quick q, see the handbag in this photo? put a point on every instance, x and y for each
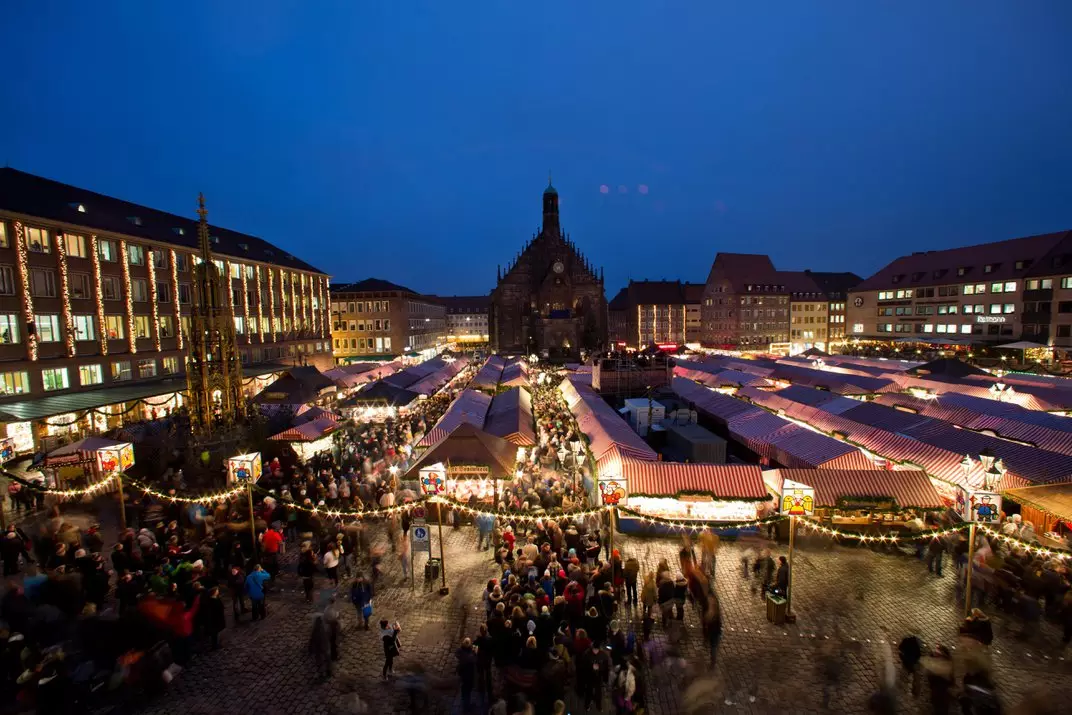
(367, 610)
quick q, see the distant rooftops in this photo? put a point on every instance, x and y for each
(463, 303)
(38, 197)
(1046, 254)
(370, 285)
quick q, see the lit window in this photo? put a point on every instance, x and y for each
(141, 326)
(37, 240)
(159, 258)
(14, 383)
(996, 287)
(1066, 282)
(75, 244)
(121, 371)
(90, 375)
(85, 328)
(169, 365)
(1009, 308)
(995, 308)
(55, 379)
(3, 235)
(1010, 287)
(9, 329)
(166, 326)
(139, 290)
(115, 327)
(136, 254)
(106, 250)
(966, 329)
(146, 368)
(48, 328)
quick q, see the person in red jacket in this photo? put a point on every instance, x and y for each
(574, 596)
(271, 541)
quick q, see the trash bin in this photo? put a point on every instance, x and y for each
(776, 608)
(431, 570)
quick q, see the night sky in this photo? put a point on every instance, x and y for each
(411, 140)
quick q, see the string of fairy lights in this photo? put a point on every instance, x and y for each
(102, 329)
(128, 294)
(65, 292)
(22, 258)
(879, 538)
(690, 525)
(1025, 546)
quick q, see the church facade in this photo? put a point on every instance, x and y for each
(550, 301)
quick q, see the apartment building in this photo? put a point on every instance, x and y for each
(467, 318)
(990, 293)
(375, 318)
(95, 297)
(745, 303)
(693, 312)
(648, 313)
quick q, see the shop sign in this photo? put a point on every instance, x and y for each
(613, 491)
(980, 507)
(244, 468)
(468, 470)
(990, 319)
(112, 460)
(797, 499)
(433, 481)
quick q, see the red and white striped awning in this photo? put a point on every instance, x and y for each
(670, 479)
(911, 489)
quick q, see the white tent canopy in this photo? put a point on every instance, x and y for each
(1023, 345)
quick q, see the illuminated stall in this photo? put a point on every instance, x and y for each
(82, 464)
(310, 438)
(468, 462)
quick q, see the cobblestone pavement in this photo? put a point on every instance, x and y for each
(848, 600)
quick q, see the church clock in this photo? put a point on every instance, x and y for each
(558, 267)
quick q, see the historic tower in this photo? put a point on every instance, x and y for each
(213, 367)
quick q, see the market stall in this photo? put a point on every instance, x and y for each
(1049, 507)
(468, 462)
(81, 464)
(309, 438)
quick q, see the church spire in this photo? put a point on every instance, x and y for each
(203, 240)
(550, 209)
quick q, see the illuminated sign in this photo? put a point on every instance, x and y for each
(797, 499)
(981, 507)
(613, 491)
(667, 346)
(112, 460)
(244, 468)
(433, 480)
(990, 319)
(468, 470)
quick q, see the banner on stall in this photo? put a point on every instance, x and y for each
(613, 491)
(433, 480)
(112, 460)
(979, 506)
(797, 499)
(244, 468)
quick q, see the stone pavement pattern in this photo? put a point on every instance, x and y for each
(860, 600)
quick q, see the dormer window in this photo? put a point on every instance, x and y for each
(269, 252)
(939, 273)
(136, 220)
(80, 208)
(896, 279)
(179, 231)
(244, 246)
(215, 239)
(1021, 265)
(963, 270)
(916, 277)
(991, 267)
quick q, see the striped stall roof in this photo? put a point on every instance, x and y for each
(307, 432)
(770, 400)
(487, 378)
(718, 407)
(510, 417)
(806, 448)
(670, 479)
(910, 488)
(839, 405)
(470, 407)
(430, 383)
(516, 374)
(883, 417)
(603, 426)
(807, 395)
(841, 384)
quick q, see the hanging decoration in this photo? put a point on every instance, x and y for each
(516, 516)
(1023, 545)
(692, 525)
(244, 468)
(22, 255)
(175, 297)
(271, 307)
(245, 307)
(880, 538)
(155, 328)
(132, 339)
(260, 306)
(198, 499)
(65, 293)
(65, 493)
(113, 460)
(102, 332)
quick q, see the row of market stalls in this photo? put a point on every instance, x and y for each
(395, 393)
(498, 374)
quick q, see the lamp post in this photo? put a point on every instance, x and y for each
(993, 470)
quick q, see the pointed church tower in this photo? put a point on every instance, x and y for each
(550, 210)
(213, 366)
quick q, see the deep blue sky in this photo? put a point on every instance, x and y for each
(412, 140)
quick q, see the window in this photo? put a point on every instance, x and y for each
(146, 368)
(1010, 286)
(141, 326)
(988, 268)
(966, 329)
(55, 379)
(904, 293)
(43, 283)
(111, 288)
(121, 370)
(85, 327)
(181, 263)
(977, 289)
(7, 280)
(386, 324)
(169, 366)
(386, 306)
(106, 250)
(159, 258)
(166, 326)
(236, 296)
(90, 375)
(115, 327)
(79, 285)
(14, 383)
(219, 266)
(1063, 331)
(236, 270)
(1036, 284)
(136, 254)
(9, 329)
(379, 325)
(163, 292)
(1009, 308)
(37, 240)
(240, 325)
(3, 235)
(387, 343)
(184, 294)
(75, 245)
(184, 324)
(139, 290)
(995, 308)
(48, 328)
(996, 287)
(250, 273)
(1066, 282)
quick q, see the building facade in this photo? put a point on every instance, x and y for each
(991, 293)
(550, 300)
(817, 308)
(694, 312)
(745, 303)
(467, 318)
(648, 313)
(375, 318)
(96, 292)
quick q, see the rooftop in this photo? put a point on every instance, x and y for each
(369, 285)
(1046, 254)
(462, 303)
(38, 197)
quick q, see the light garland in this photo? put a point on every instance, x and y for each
(293, 302)
(201, 499)
(175, 297)
(23, 259)
(339, 513)
(71, 493)
(314, 291)
(1030, 548)
(101, 329)
(154, 329)
(245, 306)
(325, 307)
(516, 516)
(260, 307)
(65, 293)
(881, 538)
(132, 339)
(687, 525)
(271, 305)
